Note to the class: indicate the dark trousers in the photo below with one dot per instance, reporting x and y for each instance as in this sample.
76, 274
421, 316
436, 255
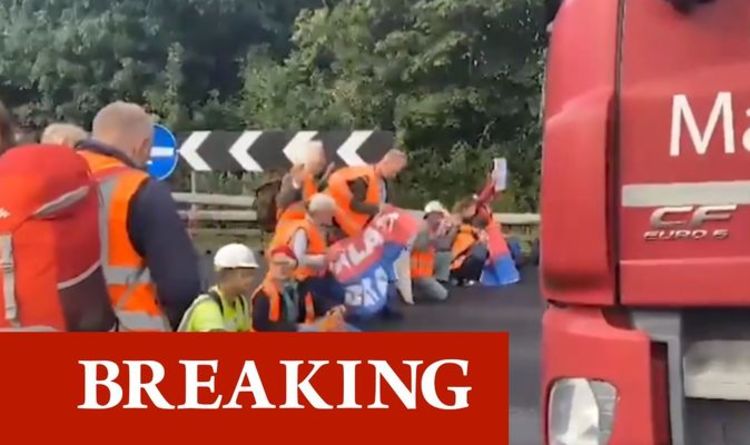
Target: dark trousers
326, 291
471, 269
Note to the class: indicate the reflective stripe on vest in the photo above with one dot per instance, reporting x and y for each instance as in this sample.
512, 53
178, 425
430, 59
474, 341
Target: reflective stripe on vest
128, 285
30, 329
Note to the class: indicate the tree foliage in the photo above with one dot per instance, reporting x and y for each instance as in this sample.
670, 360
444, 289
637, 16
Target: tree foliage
457, 79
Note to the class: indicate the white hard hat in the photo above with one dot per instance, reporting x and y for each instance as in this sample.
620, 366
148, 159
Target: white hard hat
434, 207
235, 256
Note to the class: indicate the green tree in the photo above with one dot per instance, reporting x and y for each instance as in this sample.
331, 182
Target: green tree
64, 59
457, 79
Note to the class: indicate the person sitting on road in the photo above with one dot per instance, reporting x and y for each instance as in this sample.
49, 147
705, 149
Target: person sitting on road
423, 255
469, 248
307, 238
302, 182
63, 134
225, 307
280, 306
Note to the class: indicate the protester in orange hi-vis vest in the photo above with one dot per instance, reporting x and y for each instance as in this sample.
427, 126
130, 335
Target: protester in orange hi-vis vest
469, 245
280, 305
307, 239
424, 282
301, 183
360, 192
149, 262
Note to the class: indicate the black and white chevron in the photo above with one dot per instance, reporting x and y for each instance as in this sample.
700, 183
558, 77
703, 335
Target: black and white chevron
259, 151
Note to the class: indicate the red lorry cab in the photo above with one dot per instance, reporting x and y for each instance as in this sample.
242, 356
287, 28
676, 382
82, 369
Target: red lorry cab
645, 237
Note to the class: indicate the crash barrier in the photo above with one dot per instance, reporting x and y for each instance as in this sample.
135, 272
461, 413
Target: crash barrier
242, 210
233, 216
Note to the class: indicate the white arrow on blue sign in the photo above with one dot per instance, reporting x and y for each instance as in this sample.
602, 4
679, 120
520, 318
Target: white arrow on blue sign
164, 153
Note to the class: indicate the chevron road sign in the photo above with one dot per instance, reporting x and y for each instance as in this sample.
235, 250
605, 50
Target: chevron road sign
259, 151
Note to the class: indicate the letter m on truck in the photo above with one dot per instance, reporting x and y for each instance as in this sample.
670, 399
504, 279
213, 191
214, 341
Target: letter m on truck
646, 227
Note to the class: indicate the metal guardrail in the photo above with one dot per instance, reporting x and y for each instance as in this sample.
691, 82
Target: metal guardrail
236, 203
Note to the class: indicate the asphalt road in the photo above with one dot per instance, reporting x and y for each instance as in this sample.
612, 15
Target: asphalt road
515, 309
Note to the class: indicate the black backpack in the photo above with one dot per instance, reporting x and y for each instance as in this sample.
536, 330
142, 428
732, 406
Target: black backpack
265, 202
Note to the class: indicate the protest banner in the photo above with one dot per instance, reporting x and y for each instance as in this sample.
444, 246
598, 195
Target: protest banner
364, 264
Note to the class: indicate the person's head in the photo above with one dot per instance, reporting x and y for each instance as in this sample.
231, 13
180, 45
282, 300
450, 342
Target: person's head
126, 127
63, 134
434, 213
392, 163
321, 209
7, 130
315, 157
235, 268
282, 263
465, 208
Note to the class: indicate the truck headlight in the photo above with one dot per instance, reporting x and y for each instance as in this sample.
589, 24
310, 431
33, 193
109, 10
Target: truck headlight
581, 412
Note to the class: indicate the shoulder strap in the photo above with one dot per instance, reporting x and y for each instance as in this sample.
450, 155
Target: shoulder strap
217, 299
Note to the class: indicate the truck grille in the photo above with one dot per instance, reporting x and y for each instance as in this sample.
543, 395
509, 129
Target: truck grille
708, 354
717, 422
709, 420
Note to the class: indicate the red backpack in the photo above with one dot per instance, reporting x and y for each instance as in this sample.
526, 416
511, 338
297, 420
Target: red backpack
50, 270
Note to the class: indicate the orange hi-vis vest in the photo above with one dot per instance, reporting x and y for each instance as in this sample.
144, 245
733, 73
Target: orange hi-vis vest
423, 263
316, 244
131, 290
352, 223
466, 237
274, 303
297, 210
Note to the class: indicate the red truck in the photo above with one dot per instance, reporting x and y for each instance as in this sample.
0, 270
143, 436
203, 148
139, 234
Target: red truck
645, 235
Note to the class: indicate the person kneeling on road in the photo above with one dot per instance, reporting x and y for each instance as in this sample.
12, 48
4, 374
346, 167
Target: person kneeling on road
469, 250
307, 239
279, 306
424, 283
225, 307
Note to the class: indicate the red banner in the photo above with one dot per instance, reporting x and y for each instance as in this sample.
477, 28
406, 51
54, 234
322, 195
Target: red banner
353, 257
253, 388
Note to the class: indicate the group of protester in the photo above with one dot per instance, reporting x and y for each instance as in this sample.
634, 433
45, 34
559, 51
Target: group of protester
151, 268
317, 205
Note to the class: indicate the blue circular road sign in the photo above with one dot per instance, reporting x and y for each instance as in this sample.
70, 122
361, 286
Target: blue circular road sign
164, 154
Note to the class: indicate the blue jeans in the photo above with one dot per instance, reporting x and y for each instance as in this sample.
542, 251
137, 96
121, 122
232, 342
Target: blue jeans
326, 291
